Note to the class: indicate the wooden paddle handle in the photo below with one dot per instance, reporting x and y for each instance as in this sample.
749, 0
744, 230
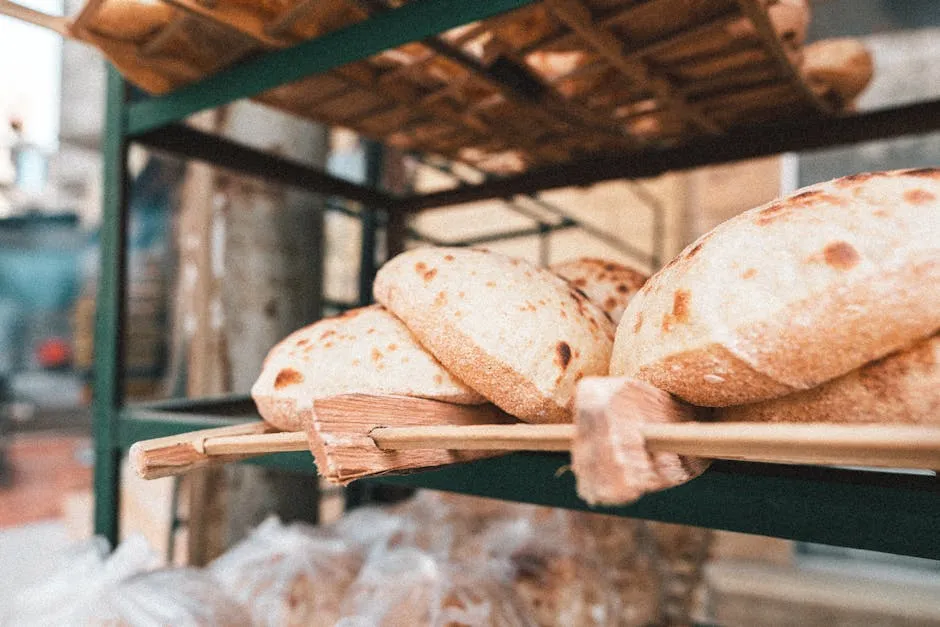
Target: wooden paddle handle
884, 446
37, 18
178, 454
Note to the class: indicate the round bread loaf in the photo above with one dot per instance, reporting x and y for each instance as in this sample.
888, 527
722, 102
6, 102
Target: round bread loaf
608, 284
131, 20
364, 351
792, 294
519, 335
842, 67
901, 388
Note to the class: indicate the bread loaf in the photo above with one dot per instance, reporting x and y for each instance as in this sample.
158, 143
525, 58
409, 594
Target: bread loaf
364, 351
519, 335
792, 294
902, 388
131, 20
838, 68
610, 285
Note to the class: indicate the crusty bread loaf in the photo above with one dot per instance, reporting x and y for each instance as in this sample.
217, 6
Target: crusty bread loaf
708, 53
610, 285
789, 18
839, 68
365, 351
901, 388
131, 20
519, 335
791, 294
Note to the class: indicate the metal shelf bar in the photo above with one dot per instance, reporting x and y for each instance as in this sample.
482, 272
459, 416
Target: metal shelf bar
412, 22
185, 141
732, 145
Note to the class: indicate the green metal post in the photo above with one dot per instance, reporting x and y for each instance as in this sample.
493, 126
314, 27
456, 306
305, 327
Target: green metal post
108, 382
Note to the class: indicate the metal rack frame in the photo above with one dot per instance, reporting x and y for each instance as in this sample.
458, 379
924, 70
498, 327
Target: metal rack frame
872, 510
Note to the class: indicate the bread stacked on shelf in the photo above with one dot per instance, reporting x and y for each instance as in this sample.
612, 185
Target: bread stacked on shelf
608, 284
823, 306
518, 334
365, 350
531, 87
793, 294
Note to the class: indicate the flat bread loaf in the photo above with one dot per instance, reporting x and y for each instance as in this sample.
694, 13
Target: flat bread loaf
608, 284
902, 388
364, 351
791, 294
519, 335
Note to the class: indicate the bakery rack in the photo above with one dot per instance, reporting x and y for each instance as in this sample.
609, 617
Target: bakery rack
891, 512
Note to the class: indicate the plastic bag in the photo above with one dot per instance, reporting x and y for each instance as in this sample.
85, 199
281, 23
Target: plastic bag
88, 572
183, 597
288, 575
408, 587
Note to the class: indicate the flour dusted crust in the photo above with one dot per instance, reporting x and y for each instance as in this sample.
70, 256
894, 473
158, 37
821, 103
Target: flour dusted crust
519, 335
366, 351
901, 388
791, 294
609, 284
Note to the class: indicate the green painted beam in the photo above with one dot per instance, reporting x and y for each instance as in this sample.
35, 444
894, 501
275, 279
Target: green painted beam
108, 372
414, 21
893, 513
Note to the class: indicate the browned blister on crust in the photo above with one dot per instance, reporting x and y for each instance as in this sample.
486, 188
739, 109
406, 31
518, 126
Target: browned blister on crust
901, 388
366, 351
608, 283
518, 334
791, 294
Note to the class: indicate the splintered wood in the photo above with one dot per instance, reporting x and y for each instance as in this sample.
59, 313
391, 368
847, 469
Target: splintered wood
339, 434
610, 457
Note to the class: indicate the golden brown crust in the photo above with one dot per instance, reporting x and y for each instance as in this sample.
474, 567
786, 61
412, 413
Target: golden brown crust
902, 388
610, 285
714, 376
697, 379
793, 293
493, 378
365, 350
518, 334
128, 20
280, 412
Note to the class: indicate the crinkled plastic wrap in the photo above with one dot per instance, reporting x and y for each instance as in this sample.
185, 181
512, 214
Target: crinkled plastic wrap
408, 587
567, 568
287, 575
183, 597
67, 596
94, 588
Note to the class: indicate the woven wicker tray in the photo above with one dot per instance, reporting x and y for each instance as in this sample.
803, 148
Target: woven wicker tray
597, 75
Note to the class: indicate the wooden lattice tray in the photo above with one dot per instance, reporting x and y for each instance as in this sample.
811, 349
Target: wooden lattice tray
543, 84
